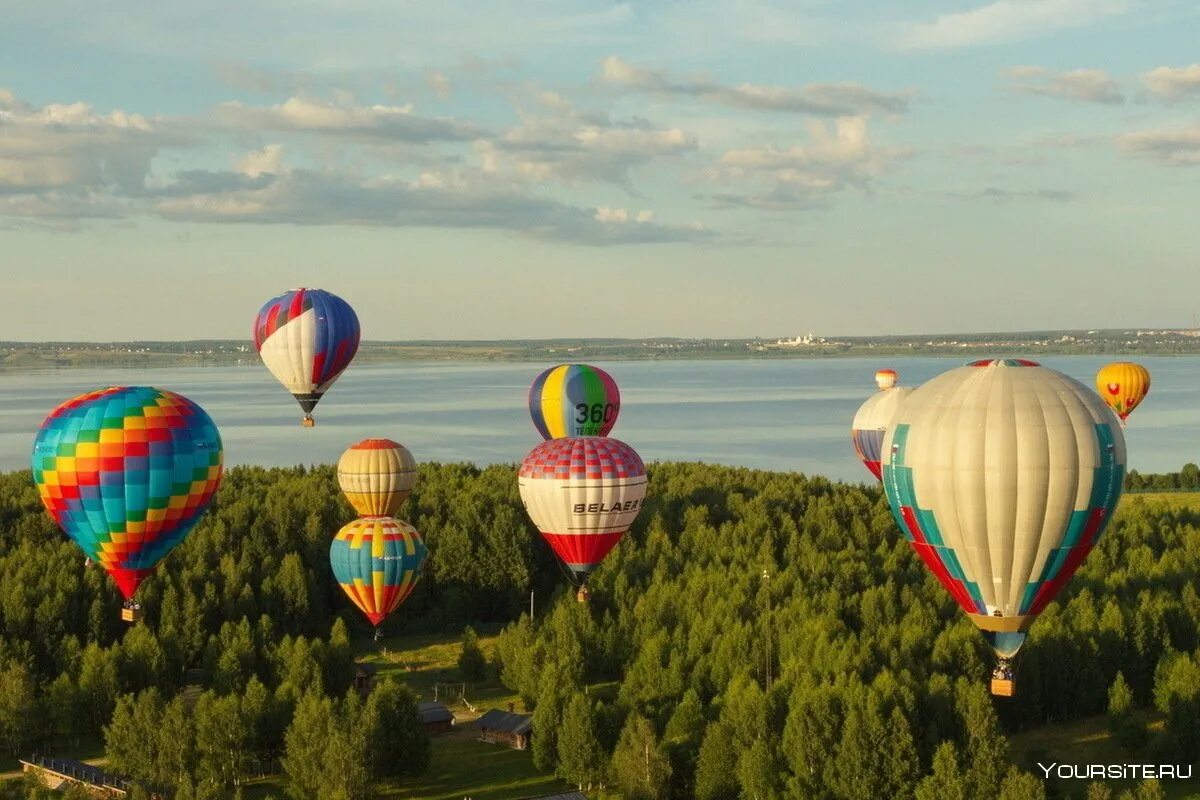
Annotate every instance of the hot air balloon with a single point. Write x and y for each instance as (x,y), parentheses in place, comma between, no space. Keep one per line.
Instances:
(306,338)
(582,493)
(377,476)
(1123,385)
(574,400)
(1002,475)
(377,561)
(873,417)
(127,472)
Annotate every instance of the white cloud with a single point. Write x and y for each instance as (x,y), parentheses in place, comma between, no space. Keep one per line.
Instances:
(1174,83)
(1086,85)
(267,161)
(836,157)
(822,99)
(1178,147)
(378,123)
(1008,20)
(58,146)
(61,164)
(440,83)
(563,144)
(999,195)
(305,197)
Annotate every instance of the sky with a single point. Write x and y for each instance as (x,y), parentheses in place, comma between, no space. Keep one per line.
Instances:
(590,168)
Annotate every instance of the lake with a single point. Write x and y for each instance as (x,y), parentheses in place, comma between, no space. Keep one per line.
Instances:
(776,414)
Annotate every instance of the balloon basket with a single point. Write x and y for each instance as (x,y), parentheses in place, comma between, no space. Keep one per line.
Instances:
(131,614)
(582,595)
(1002,687)
(307,422)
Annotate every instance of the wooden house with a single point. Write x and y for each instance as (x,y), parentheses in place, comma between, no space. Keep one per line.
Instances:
(506,727)
(435,717)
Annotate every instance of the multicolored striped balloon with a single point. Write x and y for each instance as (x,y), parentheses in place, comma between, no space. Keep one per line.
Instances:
(582,493)
(307,338)
(377,561)
(377,476)
(127,472)
(574,400)
(1123,385)
(1002,475)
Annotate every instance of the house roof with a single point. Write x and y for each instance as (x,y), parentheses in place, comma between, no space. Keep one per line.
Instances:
(433,711)
(506,722)
(366,667)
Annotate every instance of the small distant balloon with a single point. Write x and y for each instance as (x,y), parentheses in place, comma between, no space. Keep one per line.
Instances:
(307,338)
(377,476)
(574,400)
(377,561)
(1123,385)
(127,472)
(886,378)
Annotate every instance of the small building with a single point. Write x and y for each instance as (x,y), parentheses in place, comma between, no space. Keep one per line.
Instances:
(506,727)
(62,773)
(435,717)
(364,677)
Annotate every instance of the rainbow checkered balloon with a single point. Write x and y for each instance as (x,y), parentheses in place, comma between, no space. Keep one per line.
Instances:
(126,472)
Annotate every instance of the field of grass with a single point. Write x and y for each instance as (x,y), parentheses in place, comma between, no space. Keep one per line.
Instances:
(1088,741)
(429,665)
(462,766)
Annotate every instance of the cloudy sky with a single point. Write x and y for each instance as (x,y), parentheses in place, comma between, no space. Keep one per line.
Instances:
(571,168)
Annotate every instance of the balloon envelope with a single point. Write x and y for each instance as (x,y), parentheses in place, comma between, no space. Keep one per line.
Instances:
(574,400)
(377,561)
(1123,385)
(306,338)
(1002,475)
(377,476)
(127,472)
(871,422)
(886,378)
(582,493)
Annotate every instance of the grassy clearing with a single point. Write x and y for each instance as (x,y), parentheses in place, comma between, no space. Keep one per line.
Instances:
(423,662)
(1088,741)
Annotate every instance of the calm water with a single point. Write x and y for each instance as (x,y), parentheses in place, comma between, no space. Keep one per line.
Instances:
(785,415)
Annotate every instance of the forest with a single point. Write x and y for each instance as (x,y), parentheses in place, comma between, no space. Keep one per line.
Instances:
(756,635)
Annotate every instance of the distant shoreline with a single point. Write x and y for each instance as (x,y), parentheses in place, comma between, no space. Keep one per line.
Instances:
(20,356)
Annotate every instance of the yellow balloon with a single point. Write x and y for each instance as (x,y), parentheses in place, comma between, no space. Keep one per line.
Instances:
(1123,385)
(377,476)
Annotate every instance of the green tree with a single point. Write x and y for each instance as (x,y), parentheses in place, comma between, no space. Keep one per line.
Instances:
(946,781)
(98,684)
(580,759)
(716,766)
(16,706)
(399,743)
(305,745)
(1129,732)
(1020,785)
(639,764)
(223,737)
(471,661)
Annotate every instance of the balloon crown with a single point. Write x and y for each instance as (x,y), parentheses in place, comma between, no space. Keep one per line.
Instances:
(1003,362)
